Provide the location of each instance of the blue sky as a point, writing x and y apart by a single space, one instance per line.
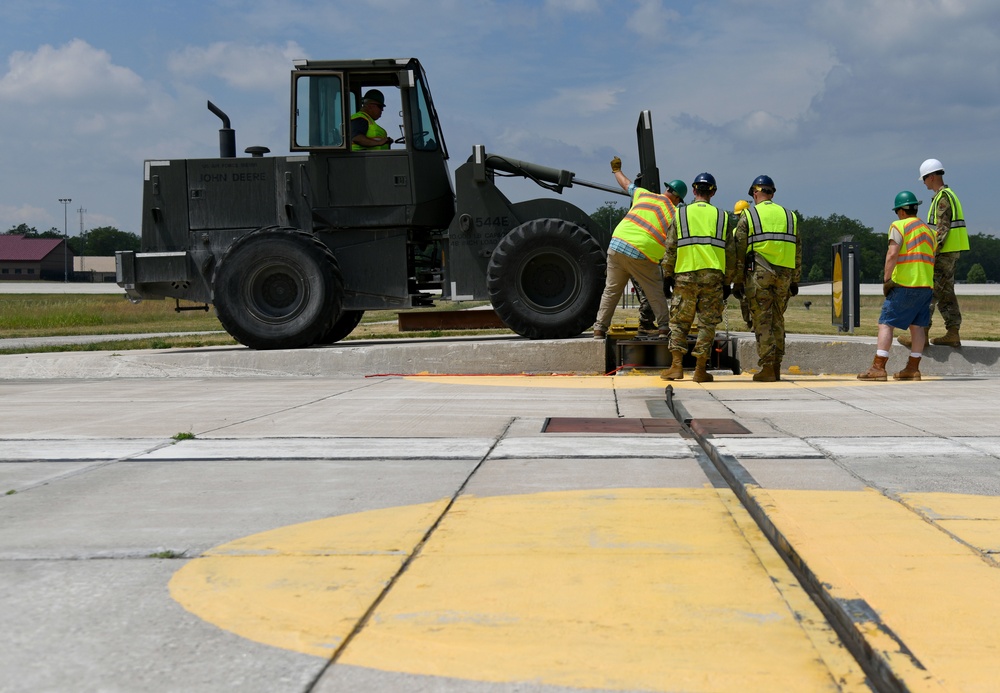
838 101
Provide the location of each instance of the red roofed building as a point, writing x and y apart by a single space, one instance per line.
34 259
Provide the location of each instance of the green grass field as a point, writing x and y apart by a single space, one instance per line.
47 315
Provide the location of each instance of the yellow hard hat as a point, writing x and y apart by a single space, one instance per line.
740 206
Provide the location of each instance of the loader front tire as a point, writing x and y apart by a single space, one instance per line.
545 279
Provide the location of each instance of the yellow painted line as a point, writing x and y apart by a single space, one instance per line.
939 598
651 589
634 381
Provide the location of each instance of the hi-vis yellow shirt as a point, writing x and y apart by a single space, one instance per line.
701 238
374 130
915 266
645 226
773 233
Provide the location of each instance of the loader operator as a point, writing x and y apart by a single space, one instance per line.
366 134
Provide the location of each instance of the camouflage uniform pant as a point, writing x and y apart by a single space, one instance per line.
944 291
767 294
696 294
647 318
745 311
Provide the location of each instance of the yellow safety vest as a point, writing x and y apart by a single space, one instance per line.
645 226
773 231
958 236
915 266
374 130
701 237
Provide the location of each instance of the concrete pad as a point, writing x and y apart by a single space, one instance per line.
987 444
111 625
791 473
77 448
126 510
498 477
322 449
893 446
129 509
492 354
977 475
649 446
19 476
766 448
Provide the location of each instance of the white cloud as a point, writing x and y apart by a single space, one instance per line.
558 6
651 20
582 101
73 72
12 215
249 67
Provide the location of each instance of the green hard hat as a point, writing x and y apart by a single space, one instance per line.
905 199
678 187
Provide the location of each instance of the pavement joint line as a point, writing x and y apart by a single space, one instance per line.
825 638
91 467
365 384
373 607
845 616
984 555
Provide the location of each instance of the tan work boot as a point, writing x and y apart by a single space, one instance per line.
676 370
905 339
876 371
911 372
766 374
950 338
777 369
701 374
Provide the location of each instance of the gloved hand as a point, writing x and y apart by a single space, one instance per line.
738 291
668 287
616 165
887 287
793 289
727 291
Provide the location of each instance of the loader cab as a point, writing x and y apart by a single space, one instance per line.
407 185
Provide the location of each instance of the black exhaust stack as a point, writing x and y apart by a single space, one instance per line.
227 136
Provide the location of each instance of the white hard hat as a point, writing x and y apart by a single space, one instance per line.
930 166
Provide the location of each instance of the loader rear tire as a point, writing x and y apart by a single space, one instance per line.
545 279
278 288
344 325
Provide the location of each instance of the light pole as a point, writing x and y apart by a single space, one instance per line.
612 208
65 203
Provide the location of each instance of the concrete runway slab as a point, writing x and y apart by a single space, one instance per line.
469 550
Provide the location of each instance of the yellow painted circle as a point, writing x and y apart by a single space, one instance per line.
650 589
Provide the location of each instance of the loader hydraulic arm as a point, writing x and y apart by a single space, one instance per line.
549 178
555 179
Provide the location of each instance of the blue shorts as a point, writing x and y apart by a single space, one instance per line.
907 306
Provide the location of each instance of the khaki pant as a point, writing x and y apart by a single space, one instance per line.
647 274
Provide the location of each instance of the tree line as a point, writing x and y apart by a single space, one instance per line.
98 242
979 264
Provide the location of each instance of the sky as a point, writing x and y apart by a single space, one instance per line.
838 101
